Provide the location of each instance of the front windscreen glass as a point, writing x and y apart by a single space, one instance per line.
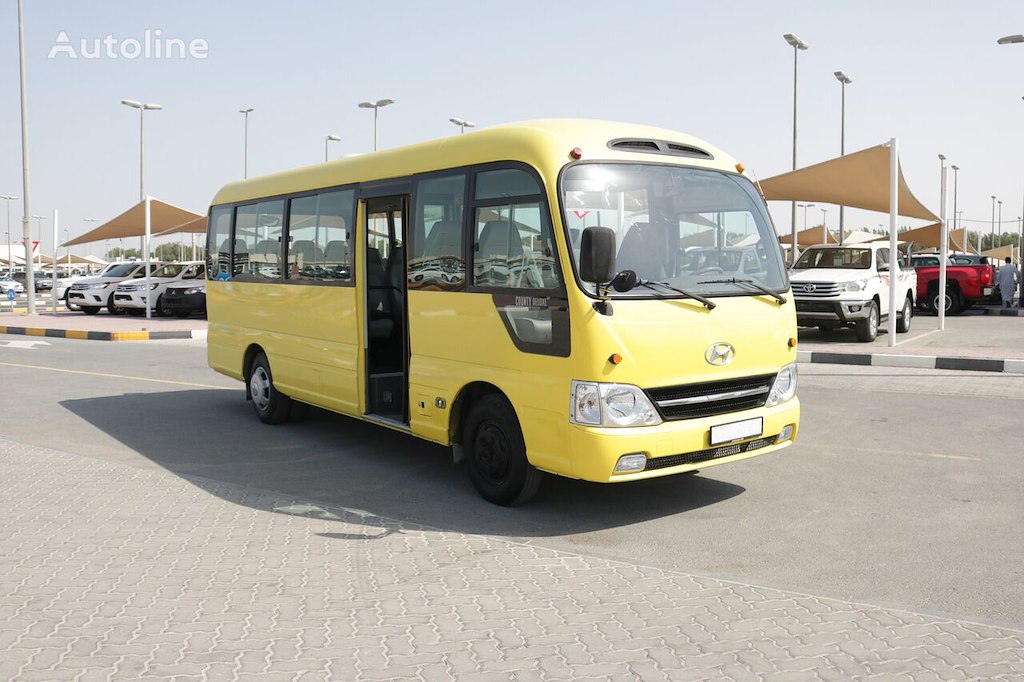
840 259
706 232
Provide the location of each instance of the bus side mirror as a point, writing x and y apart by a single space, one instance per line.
597 254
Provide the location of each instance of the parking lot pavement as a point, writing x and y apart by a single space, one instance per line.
110 571
101 327
972 341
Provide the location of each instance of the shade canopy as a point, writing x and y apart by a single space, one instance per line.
166 219
858 180
931 235
810 237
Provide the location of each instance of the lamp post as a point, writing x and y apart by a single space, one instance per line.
327 139
245 143
10 259
1010 40
26 211
999 223
992 230
956 173
824 228
844 80
943 241
462 123
67 238
805 207
143 108
797 45
375 105
39 226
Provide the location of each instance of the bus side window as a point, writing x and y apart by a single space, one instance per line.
218 242
437 258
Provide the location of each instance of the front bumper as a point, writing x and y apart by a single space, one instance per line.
131 299
90 298
676 446
181 303
810 312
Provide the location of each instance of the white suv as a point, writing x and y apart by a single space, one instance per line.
92 293
130 296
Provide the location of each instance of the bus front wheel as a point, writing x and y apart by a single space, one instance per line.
272 406
496 453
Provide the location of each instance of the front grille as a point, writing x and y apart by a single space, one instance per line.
79 287
709 454
814 289
690 401
814 307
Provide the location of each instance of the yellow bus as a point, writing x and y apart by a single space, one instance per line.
597 300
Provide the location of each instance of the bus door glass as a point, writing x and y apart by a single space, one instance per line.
385 277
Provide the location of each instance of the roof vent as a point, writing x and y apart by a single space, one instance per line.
632 144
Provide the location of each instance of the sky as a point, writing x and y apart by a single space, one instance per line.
928 73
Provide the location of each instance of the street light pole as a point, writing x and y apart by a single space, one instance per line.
1009 40
26 211
805 207
375 105
956 174
797 45
10 258
245 147
844 80
992 230
824 228
999 223
944 243
462 123
143 108
329 138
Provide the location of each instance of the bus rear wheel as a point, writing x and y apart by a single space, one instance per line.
496 453
272 406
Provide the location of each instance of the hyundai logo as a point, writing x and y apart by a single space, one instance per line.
719 354
809 288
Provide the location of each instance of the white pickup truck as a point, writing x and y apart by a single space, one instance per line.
848 286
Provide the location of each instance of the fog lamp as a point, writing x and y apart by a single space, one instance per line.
635 461
785 434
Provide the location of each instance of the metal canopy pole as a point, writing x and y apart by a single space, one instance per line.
894 174
943 252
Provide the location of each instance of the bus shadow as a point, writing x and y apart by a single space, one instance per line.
212 438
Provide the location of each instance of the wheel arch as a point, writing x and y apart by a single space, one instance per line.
467 396
251 352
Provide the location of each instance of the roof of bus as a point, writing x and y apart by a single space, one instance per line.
544 144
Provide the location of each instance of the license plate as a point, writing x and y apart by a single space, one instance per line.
988 291
726 433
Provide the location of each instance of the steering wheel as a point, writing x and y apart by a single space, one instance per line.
713 270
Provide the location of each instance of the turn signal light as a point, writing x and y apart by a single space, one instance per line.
576 153
615 358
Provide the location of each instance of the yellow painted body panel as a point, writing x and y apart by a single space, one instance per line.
314 335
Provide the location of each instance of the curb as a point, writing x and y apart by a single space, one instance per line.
915 361
104 336
1005 312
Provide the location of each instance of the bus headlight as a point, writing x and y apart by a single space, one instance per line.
784 386
601 404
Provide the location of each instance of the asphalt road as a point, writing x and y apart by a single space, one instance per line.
904 489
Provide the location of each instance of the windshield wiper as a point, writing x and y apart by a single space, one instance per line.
627 280
749 282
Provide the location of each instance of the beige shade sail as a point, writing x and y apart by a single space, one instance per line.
165 218
809 237
858 180
931 235
859 237
998 255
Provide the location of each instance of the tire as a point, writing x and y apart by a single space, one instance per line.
953 306
90 310
111 308
272 406
906 316
496 453
159 310
867 329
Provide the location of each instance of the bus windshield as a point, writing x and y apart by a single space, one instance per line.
703 231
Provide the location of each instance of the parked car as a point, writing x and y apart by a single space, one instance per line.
970 279
92 293
848 286
41 280
181 299
130 296
8 284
